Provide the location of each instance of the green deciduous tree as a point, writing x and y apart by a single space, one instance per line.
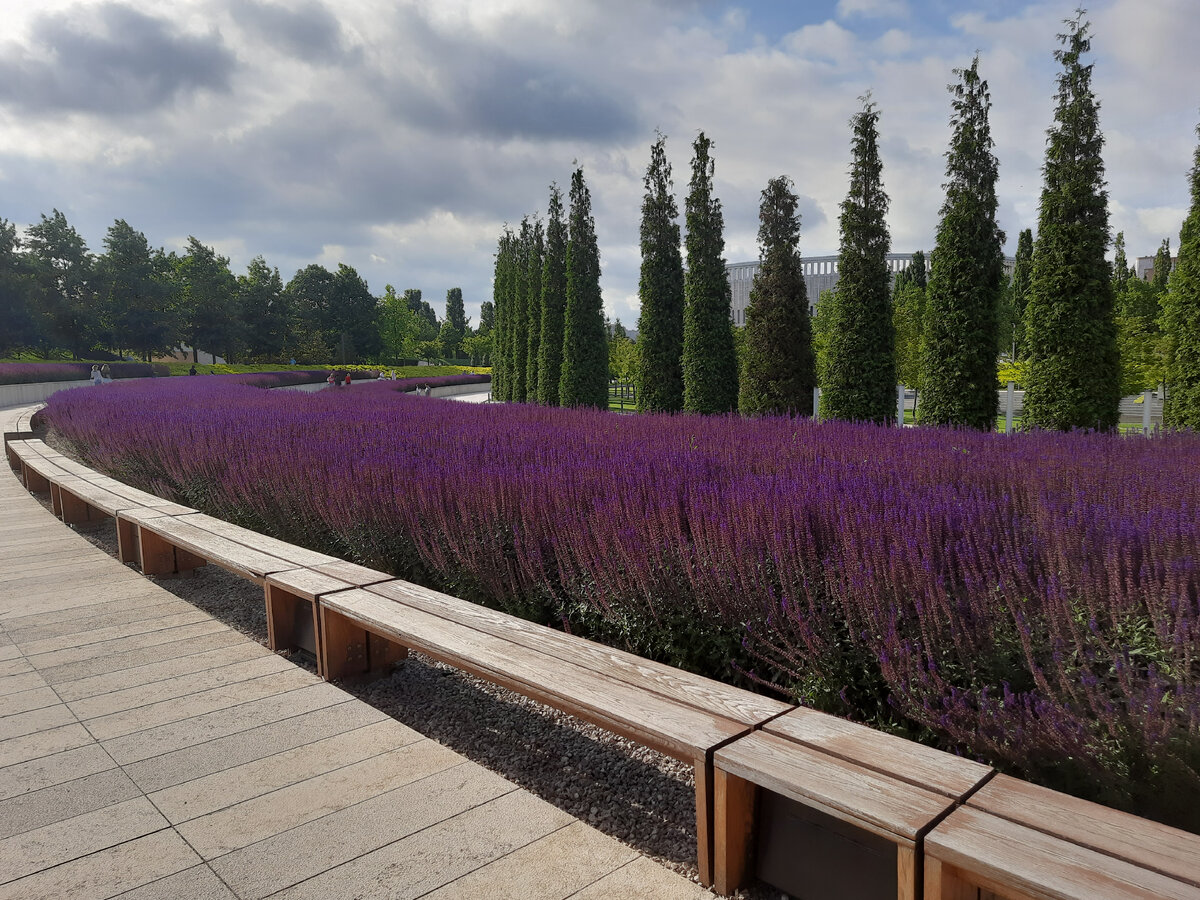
208 294
1120 271
18 325
1074 367
398 327
908 320
554 302
958 384
861 372
63 295
778 373
134 292
264 311
584 380
710 377
310 296
659 375
1182 320
1162 266
487 317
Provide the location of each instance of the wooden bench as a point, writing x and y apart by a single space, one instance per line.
682 715
291 597
18 426
1019 840
836 807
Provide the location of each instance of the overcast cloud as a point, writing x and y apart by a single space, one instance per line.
399 137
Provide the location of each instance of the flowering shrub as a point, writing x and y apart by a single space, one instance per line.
1032 600
31 373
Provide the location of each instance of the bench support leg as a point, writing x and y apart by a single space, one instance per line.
158 557
127 541
704 819
347 649
943 882
73 510
292 621
35 482
907 871
734 802
56 499
186 563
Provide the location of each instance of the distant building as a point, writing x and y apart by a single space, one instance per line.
1144 267
820 274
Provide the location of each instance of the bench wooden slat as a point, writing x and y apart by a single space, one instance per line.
884 806
142 498
927 767
683 732
357 575
307 583
1014 860
300 556
1151 844
703 693
227 554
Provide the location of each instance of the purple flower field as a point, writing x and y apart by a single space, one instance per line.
31 373
1033 601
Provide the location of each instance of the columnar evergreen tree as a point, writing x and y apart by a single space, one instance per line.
1162 266
778 373
1120 271
533 283
501 357
519 313
454 327
709 361
1074 366
659 348
959 371
918 270
861 354
1182 320
554 302
1021 277
584 380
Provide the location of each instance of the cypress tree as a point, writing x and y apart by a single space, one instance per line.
519 317
1182 320
660 325
501 358
1162 266
959 371
709 360
554 302
584 380
1074 365
537 250
778 373
1022 274
861 353
918 272
1120 265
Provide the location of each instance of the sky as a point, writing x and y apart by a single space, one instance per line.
400 136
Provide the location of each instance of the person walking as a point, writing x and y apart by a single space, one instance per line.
97 378
106 373
331 380
347 379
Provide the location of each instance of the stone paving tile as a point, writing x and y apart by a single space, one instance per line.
64 801
43 743
222 753
108 872
143 718
23 701
436 855
15 684
36 720
293 856
52 769
643 879
196 883
179 688
142 745
89 607
254 820
210 793
547 869
106 656
80 624
162 669
18 665
60 842
112 632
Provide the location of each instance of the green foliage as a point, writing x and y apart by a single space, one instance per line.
584 380
61 270
18 327
502 285
1141 361
134 293
1162 266
710 377
823 323
454 327
958 384
1019 292
398 327
622 359
554 302
660 323
1182 320
1075 371
208 291
536 253
1120 270
353 312
264 311
908 320
487 316
860 374
778 373
518 320
478 347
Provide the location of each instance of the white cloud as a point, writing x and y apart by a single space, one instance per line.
872 9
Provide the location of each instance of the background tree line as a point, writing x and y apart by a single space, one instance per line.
132 299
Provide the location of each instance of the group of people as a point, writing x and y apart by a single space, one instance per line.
101 374
334 381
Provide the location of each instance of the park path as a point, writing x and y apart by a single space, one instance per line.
148 750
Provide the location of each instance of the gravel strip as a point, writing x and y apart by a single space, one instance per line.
636 795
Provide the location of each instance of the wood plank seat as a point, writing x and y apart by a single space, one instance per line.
681 715
291 597
36 470
17 426
813 795
1140 842
974 855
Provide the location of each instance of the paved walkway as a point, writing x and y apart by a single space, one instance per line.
149 751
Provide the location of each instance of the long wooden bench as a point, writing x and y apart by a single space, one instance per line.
682 715
1019 840
18 426
840 808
